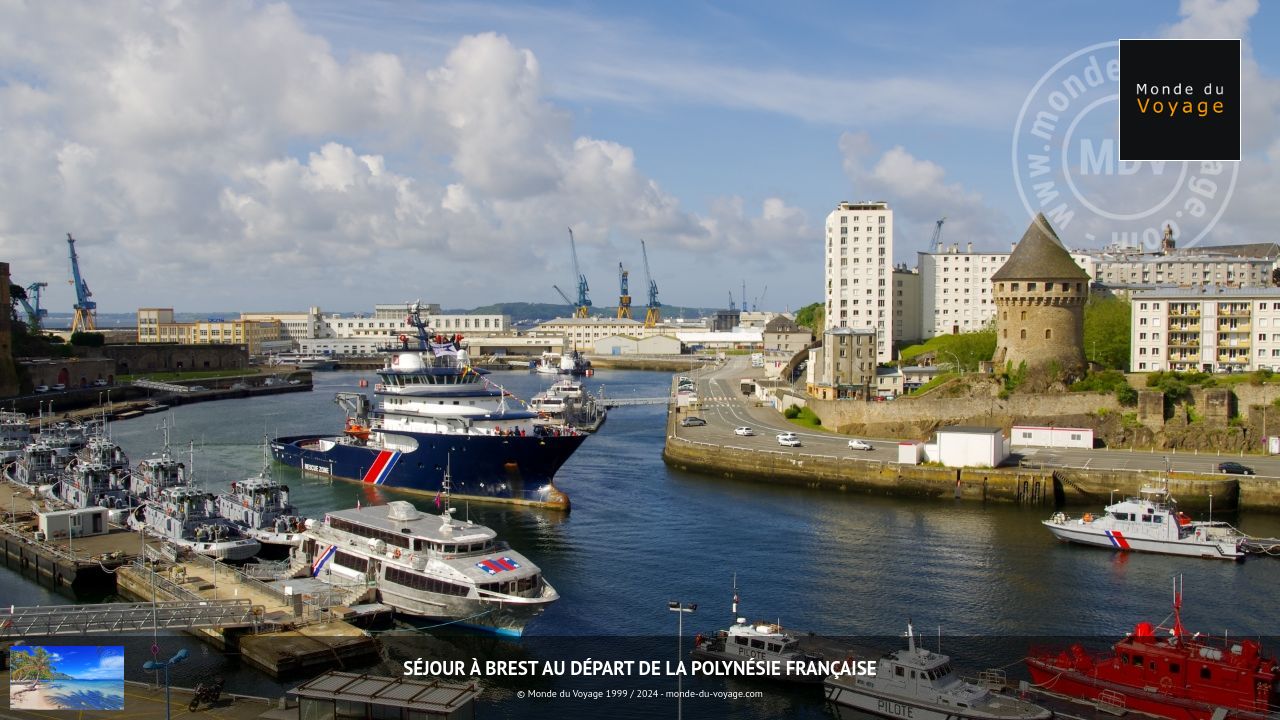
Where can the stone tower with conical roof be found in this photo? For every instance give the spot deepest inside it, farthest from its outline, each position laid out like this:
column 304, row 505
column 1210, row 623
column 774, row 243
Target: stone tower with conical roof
column 1039, row 295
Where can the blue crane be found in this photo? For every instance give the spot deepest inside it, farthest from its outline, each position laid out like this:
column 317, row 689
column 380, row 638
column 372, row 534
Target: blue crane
column 35, row 313
column 85, row 319
column 624, row 294
column 652, row 315
column 584, row 301
column 567, row 301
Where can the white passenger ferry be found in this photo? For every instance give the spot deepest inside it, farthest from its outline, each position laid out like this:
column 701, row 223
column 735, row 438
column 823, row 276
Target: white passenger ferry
column 431, row 566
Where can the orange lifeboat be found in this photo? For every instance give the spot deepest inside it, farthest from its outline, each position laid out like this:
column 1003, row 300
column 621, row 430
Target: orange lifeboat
column 356, row 430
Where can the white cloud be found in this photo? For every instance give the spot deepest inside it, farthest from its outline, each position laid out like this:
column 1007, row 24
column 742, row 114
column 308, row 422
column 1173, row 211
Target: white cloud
column 110, row 667
column 220, row 156
column 919, row 194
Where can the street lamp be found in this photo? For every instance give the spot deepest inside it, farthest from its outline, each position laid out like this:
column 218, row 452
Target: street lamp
column 680, row 609
column 164, row 665
column 955, row 357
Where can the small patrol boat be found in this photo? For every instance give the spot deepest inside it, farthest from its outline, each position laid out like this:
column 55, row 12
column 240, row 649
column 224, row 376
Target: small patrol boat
column 260, row 508
column 757, row 641
column 180, row 515
column 1150, row 522
column 922, row 685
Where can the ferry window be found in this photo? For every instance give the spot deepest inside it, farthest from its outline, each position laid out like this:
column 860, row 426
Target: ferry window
column 1146, row 518
column 913, row 674
column 898, row 671
column 1175, row 667
column 1204, row 672
column 773, row 647
column 1158, row 519
column 1137, row 660
column 740, row 640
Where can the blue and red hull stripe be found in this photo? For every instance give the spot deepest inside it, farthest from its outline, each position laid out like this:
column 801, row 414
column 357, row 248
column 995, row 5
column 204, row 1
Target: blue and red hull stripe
column 381, row 467
column 1117, row 540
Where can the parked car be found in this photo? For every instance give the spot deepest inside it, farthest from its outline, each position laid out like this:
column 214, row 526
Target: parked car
column 42, row 388
column 856, row 444
column 59, row 387
column 1235, row 468
column 693, row 422
column 99, row 383
column 744, row 431
column 786, row 434
column 789, row 441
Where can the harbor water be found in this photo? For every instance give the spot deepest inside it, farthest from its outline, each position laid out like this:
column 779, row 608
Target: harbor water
column 640, row 535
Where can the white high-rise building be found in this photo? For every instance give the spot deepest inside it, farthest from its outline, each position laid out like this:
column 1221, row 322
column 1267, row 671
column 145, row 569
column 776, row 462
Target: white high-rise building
column 955, row 287
column 859, row 271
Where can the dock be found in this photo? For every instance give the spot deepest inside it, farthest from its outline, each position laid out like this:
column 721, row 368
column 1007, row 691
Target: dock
column 295, row 632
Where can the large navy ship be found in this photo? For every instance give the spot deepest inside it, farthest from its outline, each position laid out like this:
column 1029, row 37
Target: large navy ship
column 430, row 405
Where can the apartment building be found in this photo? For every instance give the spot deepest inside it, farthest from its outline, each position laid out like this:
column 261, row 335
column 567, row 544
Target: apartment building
column 1210, row 329
column 858, row 272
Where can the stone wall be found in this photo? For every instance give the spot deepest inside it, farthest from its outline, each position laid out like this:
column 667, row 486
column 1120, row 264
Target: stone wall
column 72, row 372
column 918, row 417
column 138, row 359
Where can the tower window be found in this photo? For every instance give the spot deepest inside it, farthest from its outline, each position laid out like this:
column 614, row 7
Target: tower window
column 1024, row 334
column 1048, row 334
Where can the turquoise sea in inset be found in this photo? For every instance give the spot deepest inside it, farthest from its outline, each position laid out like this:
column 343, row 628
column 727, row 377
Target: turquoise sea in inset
column 73, row 694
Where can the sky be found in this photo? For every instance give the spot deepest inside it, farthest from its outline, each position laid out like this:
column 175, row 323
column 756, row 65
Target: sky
column 242, row 155
column 87, row 662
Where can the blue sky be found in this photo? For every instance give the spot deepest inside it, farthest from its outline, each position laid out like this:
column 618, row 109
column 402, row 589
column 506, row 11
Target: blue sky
column 87, row 662
column 251, row 156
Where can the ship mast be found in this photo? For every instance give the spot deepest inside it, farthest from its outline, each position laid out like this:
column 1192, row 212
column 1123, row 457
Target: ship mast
column 1178, row 630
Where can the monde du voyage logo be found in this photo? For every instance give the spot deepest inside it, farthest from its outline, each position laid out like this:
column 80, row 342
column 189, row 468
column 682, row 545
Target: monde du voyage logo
column 1121, row 139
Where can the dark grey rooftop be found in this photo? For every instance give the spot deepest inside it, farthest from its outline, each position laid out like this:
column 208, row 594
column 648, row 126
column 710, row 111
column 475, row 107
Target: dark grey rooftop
column 971, row 430
column 1040, row 255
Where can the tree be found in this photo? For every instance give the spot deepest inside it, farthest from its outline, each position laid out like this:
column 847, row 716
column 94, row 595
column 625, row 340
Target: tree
column 1106, row 331
column 1275, row 277
column 88, row 339
column 812, row 316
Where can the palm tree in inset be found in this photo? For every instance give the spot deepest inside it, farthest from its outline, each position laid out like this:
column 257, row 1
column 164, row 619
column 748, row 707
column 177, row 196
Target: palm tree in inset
column 35, row 665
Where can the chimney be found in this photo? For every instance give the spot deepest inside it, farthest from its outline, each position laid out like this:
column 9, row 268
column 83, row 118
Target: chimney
column 969, row 248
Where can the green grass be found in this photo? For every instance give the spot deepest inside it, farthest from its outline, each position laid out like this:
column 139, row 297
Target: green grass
column 808, row 419
column 192, row 375
column 935, row 382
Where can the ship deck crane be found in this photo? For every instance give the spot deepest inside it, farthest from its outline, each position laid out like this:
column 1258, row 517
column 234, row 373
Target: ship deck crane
column 652, row 313
column 584, row 300
column 86, row 310
column 624, row 294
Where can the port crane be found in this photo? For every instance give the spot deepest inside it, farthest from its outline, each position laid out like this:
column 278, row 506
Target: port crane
column 937, row 234
column 86, row 317
column 567, row 301
column 31, row 304
column 624, row 294
column 652, row 313
column 755, row 304
column 584, row 300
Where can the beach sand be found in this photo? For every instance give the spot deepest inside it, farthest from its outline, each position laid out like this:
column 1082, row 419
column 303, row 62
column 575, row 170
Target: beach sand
column 66, row 695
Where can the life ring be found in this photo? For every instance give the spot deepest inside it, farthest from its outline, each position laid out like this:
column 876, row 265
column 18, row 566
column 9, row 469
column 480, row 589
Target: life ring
column 404, row 338
column 396, row 554
column 1166, row 683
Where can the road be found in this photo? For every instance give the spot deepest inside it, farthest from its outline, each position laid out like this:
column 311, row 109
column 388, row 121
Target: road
column 724, row 407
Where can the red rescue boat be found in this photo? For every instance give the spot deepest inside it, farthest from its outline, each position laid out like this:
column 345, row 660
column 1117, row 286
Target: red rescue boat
column 1166, row 672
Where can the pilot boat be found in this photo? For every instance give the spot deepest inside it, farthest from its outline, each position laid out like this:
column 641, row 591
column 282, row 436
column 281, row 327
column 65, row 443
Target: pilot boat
column 758, row 641
column 922, row 685
column 260, row 508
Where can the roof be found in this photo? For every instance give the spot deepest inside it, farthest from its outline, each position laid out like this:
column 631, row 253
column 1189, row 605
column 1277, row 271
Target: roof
column 970, row 430
column 843, row 330
column 783, row 324
column 1253, row 250
column 1207, row 292
column 1040, row 255
column 427, row 696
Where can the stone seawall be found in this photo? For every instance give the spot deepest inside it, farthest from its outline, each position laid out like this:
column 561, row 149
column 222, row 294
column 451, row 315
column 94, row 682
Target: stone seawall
column 1029, row 486
column 918, row 417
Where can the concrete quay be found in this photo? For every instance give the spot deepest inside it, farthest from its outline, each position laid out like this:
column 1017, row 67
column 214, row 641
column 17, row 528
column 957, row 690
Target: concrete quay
column 1039, row 477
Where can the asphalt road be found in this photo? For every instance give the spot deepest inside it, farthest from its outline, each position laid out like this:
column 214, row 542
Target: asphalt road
column 724, row 407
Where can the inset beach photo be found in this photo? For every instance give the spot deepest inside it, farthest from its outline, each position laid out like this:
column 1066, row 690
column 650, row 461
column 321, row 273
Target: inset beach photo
column 66, row 677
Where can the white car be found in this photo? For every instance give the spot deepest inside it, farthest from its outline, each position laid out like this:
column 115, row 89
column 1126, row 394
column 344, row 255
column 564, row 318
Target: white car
column 789, row 441
column 860, row 445
column 744, row 431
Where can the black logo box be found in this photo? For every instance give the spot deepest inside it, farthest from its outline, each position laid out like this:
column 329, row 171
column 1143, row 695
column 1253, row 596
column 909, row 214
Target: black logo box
column 1160, row 77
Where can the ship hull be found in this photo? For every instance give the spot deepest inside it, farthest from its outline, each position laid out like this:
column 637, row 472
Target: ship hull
column 842, row 692
column 483, row 467
column 1128, row 542
column 1085, row 688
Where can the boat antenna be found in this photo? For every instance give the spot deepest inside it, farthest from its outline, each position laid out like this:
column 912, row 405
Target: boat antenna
column 735, row 594
column 939, row 639
column 1178, row 630
column 911, row 637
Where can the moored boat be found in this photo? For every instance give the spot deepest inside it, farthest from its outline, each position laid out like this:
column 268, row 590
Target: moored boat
column 1166, row 672
column 180, row 515
column 430, row 566
column 1150, row 522
column 430, row 404
column 260, row 508
column 921, row 685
